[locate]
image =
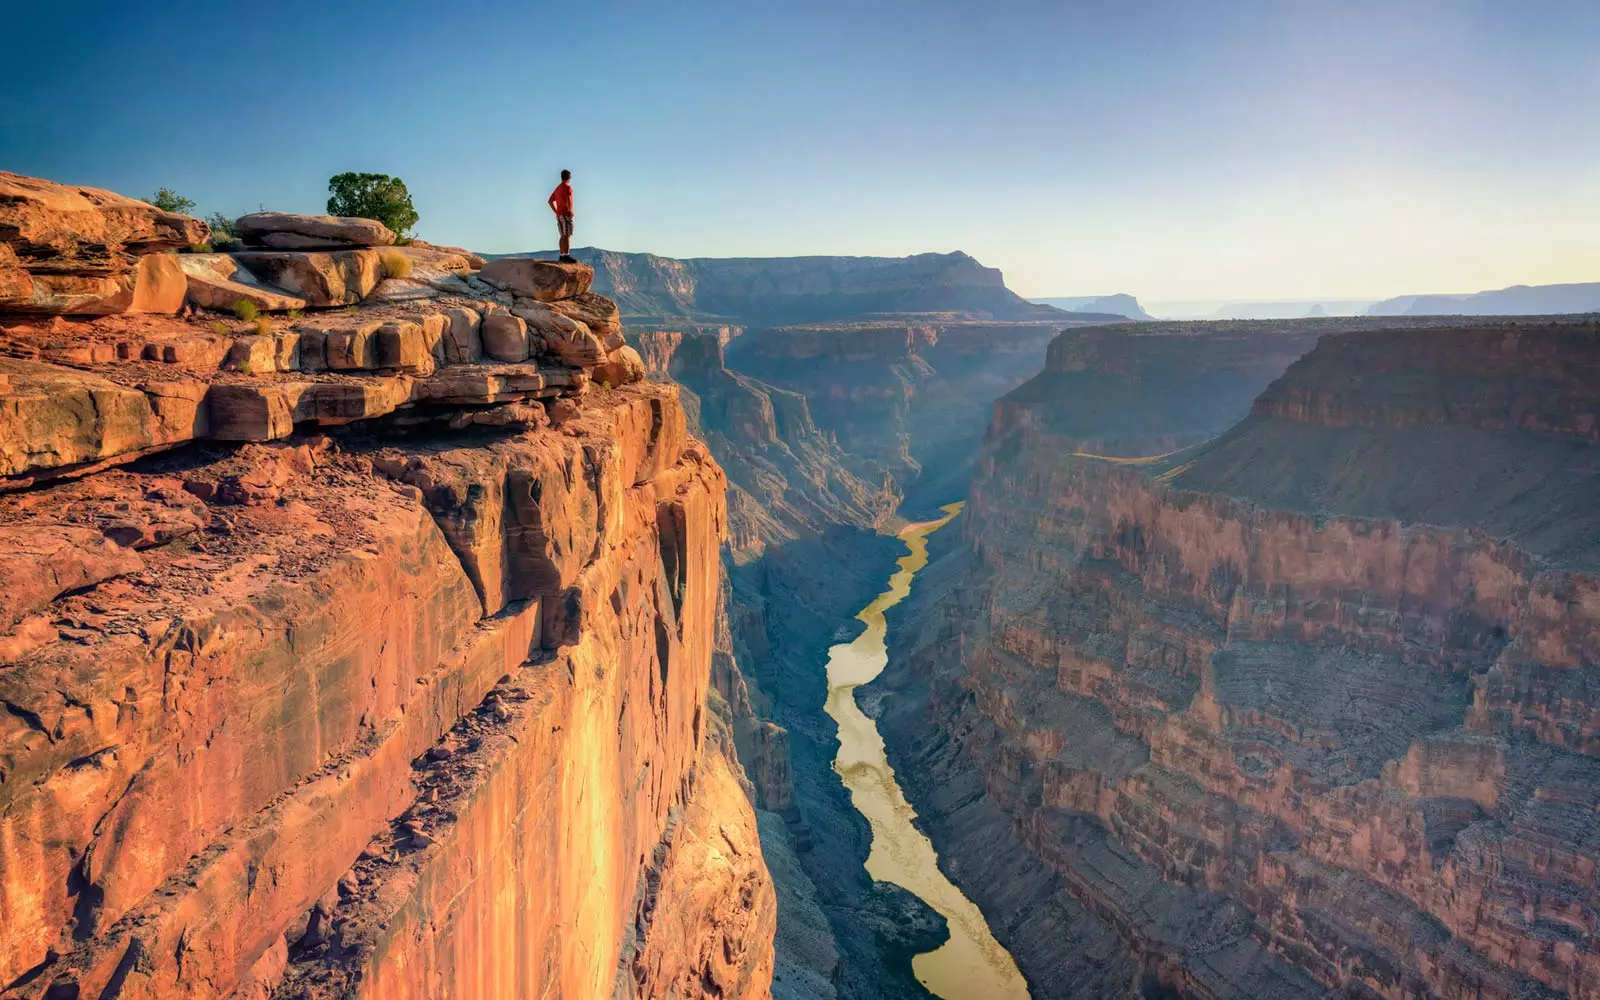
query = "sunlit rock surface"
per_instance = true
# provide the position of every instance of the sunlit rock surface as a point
(339, 660)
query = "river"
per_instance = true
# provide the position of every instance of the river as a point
(972, 965)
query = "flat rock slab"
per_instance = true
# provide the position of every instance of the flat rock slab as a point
(333, 278)
(545, 280)
(154, 284)
(285, 230)
(51, 417)
(216, 281)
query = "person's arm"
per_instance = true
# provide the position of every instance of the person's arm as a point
(551, 201)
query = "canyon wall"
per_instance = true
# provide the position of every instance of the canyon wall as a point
(364, 652)
(1303, 709)
(772, 291)
(906, 400)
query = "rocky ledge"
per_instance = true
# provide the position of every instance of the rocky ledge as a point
(362, 652)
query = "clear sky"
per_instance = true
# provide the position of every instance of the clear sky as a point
(1173, 149)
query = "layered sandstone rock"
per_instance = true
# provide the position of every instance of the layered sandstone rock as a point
(88, 252)
(901, 398)
(287, 231)
(417, 706)
(1302, 709)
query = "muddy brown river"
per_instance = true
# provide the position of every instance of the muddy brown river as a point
(972, 965)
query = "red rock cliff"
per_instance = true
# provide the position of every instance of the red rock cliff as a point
(1302, 709)
(383, 673)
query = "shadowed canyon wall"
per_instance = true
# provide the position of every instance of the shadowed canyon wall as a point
(1305, 708)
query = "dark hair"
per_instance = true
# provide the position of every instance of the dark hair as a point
(566, 175)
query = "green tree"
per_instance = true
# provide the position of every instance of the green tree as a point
(169, 200)
(373, 196)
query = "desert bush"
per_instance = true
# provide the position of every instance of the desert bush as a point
(246, 310)
(169, 200)
(200, 248)
(396, 264)
(221, 228)
(219, 328)
(264, 325)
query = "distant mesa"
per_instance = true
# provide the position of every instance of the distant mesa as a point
(1115, 305)
(1518, 300)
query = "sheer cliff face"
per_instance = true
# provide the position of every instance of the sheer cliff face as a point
(390, 681)
(907, 402)
(789, 480)
(1307, 707)
(770, 291)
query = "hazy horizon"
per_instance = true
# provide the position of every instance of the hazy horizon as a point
(1262, 152)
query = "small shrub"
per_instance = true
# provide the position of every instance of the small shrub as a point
(246, 310)
(605, 384)
(352, 307)
(219, 328)
(221, 228)
(200, 248)
(169, 200)
(264, 325)
(292, 315)
(396, 264)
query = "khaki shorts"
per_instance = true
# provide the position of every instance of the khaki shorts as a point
(564, 225)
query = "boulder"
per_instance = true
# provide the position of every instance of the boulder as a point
(624, 366)
(505, 338)
(336, 278)
(154, 284)
(216, 281)
(463, 344)
(287, 231)
(442, 258)
(562, 336)
(53, 417)
(545, 280)
(402, 346)
(472, 260)
(598, 313)
(59, 228)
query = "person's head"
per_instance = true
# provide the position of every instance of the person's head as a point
(566, 175)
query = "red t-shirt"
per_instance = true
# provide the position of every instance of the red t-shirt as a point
(561, 198)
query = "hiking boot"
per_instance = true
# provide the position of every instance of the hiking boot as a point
(567, 258)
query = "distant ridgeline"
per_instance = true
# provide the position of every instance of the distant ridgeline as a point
(1518, 300)
(777, 291)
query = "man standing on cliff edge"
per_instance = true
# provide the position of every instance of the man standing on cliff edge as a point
(561, 204)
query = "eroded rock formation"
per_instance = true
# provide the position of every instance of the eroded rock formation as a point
(339, 659)
(906, 401)
(1305, 709)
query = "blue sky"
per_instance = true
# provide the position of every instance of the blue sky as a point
(1169, 149)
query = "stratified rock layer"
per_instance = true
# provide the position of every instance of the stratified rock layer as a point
(1305, 709)
(337, 661)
